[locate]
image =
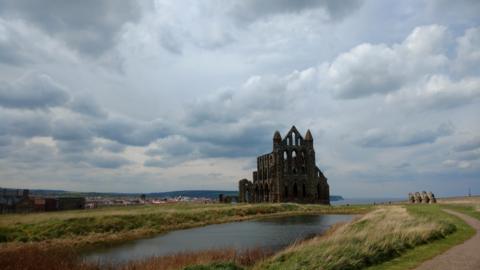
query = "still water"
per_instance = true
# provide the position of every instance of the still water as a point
(270, 233)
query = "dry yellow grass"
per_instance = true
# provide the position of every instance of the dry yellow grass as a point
(475, 200)
(376, 237)
(34, 257)
(86, 229)
(15, 219)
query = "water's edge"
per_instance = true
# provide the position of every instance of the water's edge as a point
(269, 233)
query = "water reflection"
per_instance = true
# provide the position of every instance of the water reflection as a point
(271, 233)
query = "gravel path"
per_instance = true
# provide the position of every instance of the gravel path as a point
(465, 256)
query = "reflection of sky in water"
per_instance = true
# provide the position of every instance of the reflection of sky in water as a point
(272, 233)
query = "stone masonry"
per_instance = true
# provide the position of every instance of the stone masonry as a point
(287, 174)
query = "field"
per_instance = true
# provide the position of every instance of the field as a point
(87, 228)
(384, 237)
(377, 237)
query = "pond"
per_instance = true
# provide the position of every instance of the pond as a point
(270, 233)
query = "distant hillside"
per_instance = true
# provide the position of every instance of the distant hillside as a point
(212, 194)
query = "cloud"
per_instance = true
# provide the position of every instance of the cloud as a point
(86, 105)
(90, 26)
(75, 147)
(113, 147)
(369, 69)
(131, 132)
(11, 48)
(70, 129)
(468, 51)
(33, 91)
(380, 138)
(25, 124)
(438, 92)
(107, 162)
(471, 144)
(162, 163)
(247, 11)
(461, 164)
(22, 45)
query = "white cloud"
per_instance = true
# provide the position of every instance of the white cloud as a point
(198, 88)
(370, 69)
(468, 51)
(438, 92)
(403, 137)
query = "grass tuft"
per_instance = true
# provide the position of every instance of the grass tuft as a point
(376, 237)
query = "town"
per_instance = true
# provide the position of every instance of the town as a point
(23, 201)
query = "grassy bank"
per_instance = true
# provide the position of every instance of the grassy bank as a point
(34, 257)
(111, 225)
(377, 237)
(388, 237)
(471, 210)
(419, 254)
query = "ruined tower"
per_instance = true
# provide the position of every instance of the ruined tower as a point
(287, 174)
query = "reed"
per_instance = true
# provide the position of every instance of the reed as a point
(33, 257)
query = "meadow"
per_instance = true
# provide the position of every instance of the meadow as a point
(381, 237)
(103, 226)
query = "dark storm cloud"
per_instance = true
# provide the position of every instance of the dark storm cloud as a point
(251, 10)
(400, 138)
(33, 91)
(89, 26)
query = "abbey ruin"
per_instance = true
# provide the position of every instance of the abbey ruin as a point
(423, 197)
(287, 174)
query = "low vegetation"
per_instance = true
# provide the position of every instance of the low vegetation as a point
(419, 254)
(33, 257)
(379, 236)
(110, 225)
(471, 210)
(387, 237)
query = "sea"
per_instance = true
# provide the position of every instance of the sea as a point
(356, 201)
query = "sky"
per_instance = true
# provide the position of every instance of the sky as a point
(150, 96)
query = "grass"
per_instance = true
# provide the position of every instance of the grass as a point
(387, 237)
(35, 258)
(89, 228)
(471, 210)
(419, 254)
(377, 237)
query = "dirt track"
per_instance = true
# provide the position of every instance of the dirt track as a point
(465, 256)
